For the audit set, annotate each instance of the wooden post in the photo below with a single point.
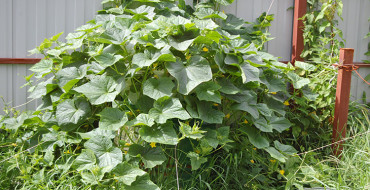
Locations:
(300, 9)
(342, 97)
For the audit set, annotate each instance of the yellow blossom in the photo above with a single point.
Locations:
(227, 116)
(286, 103)
(273, 92)
(197, 151)
(223, 11)
(127, 144)
(137, 110)
(304, 133)
(86, 126)
(155, 65)
(282, 172)
(252, 161)
(188, 57)
(130, 113)
(187, 122)
(125, 151)
(152, 144)
(67, 152)
(215, 104)
(254, 148)
(205, 49)
(156, 76)
(272, 161)
(245, 121)
(14, 144)
(78, 148)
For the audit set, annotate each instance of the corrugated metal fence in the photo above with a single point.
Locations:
(25, 24)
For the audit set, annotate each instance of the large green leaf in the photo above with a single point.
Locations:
(141, 119)
(247, 106)
(108, 155)
(158, 88)
(142, 182)
(164, 134)
(189, 76)
(255, 137)
(42, 68)
(127, 173)
(72, 112)
(286, 149)
(227, 86)
(112, 119)
(249, 73)
(280, 123)
(208, 91)
(262, 125)
(298, 82)
(276, 154)
(225, 2)
(180, 44)
(86, 160)
(101, 89)
(168, 108)
(208, 114)
(305, 66)
(98, 132)
(152, 55)
(68, 77)
(107, 59)
(196, 160)
(204, 13)
(151, 157)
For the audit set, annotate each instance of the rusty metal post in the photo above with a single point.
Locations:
(300, 9)
(342, 97)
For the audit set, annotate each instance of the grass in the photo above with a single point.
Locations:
(351, 170)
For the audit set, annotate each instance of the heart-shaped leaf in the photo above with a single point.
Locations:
(168, 108)
(112, 119)
(164, 134)
(191, 75)
(158, 88)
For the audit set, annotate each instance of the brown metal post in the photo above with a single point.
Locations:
(342, 97)
(300, 9)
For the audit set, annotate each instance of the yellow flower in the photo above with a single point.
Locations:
(67, 152)
(223, 11)
(227, 116)
(125, 151)
(286, 103)
(205, 49)
(254, 148)
(155, 65)
(215, 104)
(156, 76)
(245, 121)
(137, 110)
(14, 144)
(188, 57)
(273, 92)
(252, 161)
(187, 122)
(78, 148)
(197, 151)
(282, 172)
(304, 133)
(127, 144)
(86, 126)
(272, 161)
(152, 144)
(130, 113)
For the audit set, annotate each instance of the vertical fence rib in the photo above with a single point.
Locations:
(342, 97)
